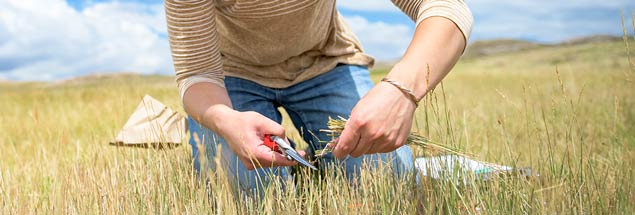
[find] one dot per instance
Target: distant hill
(97, 78)
(491, 47)
(481, 48)
(114, 78)
(500, 46)
(474, 50)
(592, 39)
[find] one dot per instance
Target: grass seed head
(336, 126)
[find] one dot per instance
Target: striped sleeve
(454, 10)
(194, 42)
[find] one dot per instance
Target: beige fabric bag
(152, 124)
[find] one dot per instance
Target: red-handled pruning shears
(278, 144)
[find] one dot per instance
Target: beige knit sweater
(276, 43)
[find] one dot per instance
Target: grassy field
(568, 112)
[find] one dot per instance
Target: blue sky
(58, 39)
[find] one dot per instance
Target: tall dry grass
(567, 112)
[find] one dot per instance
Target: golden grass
(567, 112)
(336, 127)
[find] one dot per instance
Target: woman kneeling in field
(237, 61)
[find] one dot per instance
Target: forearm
(437, 43)
(207, 103)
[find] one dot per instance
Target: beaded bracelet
(403, 89)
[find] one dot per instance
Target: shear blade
(299, 159)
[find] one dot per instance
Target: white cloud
(368, 5)
(48, 39)
(547, 21)
(381, 40)
(45, 40)
(539, 20)
(530, 6)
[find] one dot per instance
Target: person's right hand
(245, 133)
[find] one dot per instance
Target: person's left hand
(379, 123)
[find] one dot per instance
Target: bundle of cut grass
(336, 126)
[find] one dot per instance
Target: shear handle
(271, 144)
(277, 144)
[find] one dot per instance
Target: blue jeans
(309, 104)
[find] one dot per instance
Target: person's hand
(245, 132)
(379, 123)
